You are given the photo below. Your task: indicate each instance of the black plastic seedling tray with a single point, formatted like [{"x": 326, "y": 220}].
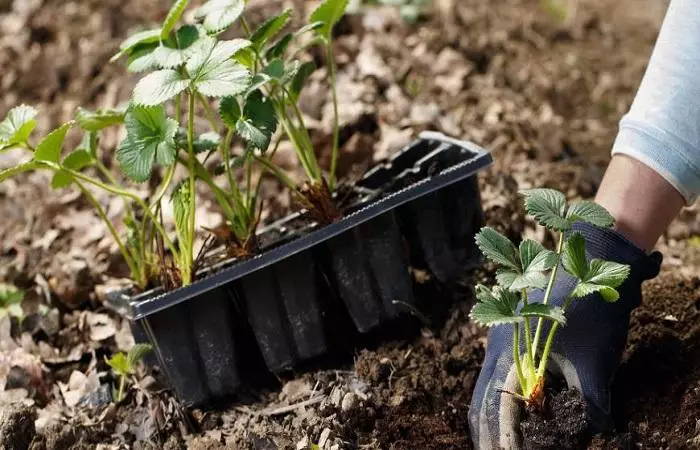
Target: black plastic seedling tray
[{"x": 421, "y": 208}]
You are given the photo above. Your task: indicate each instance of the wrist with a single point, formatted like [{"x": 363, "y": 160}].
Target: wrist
[{"x": 642, "y": 202}]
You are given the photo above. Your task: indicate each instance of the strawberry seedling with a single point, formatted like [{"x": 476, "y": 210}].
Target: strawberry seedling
[
  {"x": 532, "y": 267},
  {"x": 124, "y": 366}
]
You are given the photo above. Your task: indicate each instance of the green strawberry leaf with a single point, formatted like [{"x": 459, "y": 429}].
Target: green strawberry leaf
[
  {"x": 280, "y": 47},
  {"x": 119, "y": 364},
  {"x": 297, "y": 84},
  {"x": 536, "y": 258},
  {"x": 158, "y": 87},
  {"x": 142, "y": 59},
  {"x": 137, "y": 353},
  {"x": 498, "y": 248},
  {"x": 150, "y": 139},
  {"x": 212, "y": 70},
  {"x": 230, "y": 111},
  {"x": 17, "y": 126},
  {"x": 329, "y": 12},
  {"x": 548, "y": 207},
  {"x": 274, "y": 69},
  {"x": 258, "y": 122},
  {"x": 269, "y": 29},
  {"x": 590, "y": 212},
  {"x": 136, "y": 39},
  {"x": 607, "y": 273},
  {"x": 550, "y": 312},
  {"x": 584, "y": 289},
  {"x": 495, "y": 307},
  {"x": 217, "y": 15},
  {"x": 174, "y": 52},
  {"x": 98, "y": 120},
  {"x": 173, "y": 16},
  {"x": 49, "y": 149},
  {"x": 77, "y": 160},
  {"x": 10, "y": 295},
  {"x": 574, "y": 256}
]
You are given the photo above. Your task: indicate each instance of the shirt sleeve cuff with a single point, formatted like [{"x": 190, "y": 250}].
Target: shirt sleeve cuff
[{"x": 669, "y": 156}]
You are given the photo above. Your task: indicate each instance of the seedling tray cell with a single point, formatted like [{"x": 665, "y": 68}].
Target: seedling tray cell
[{"x": 421, "y": 207}]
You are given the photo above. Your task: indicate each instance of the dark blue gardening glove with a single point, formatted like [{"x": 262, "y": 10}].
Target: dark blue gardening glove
[{"x": 586, "y": 351}]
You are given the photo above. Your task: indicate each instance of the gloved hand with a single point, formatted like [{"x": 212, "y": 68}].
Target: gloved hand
[{"x": 586, "y": 352}]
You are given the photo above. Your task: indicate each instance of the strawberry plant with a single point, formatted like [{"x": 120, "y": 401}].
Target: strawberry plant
[
  {"x": 256, "y": 82},
  {"x": 531, "y": 266},
  {"x": 124, "y": 366}
]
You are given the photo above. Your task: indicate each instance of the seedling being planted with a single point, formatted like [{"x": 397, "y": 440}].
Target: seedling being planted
[
  {"x": 11, "y": 301},
  {"x": 124, "y": 366},
  {"x": 530, "y": 267}
]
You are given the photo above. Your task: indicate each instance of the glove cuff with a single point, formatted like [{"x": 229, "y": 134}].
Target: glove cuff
[{"x": 608, "y": 244}]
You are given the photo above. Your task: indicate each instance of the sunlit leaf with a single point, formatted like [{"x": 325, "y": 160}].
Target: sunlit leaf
[
  {"x": 497, "y": 248},
  {"x": 258, "y": 122},
  {"x": 136, "y": 39},
  {"x": 98, "y": 120},
  {"x": 269, "y": 29},
  {"x": 217, "y": 15},
  {"x": 590, "y": 212},
  {"x": 150, "y": 139},
  {"x": 17, "y": 125},
  {"x": 173, "y": 16},
  {"x": 212, "y": 70},
  {"x": 77, "y": 160},
  {"x": 550, "y": 312},
  {"x": 158, "y": 87},
  {"x": 49, "y": 149},
  {"x": 329, "y": 12},
  {"x": 574, "y": 256},
  {"x": 548, "y": 207}
]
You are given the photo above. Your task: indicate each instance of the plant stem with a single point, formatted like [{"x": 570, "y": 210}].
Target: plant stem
[
  {"x": 548, "y": 344},
  {"x": 189, "y": 250},
  {"x": 276, "y": 172},
  {"x": 304, "y": 133},
  {"x": 122, "y": 382},
  {"x": 336, "y": 126},
  {"x": 16, "y": 170},
  {"x": 516, "y": 357},
  {"x": 121, "y": 192},
  {"x": 528, "y": 338},
  {"x": 128, "y": 258},
  {"x": 211, "y": 117},
  {"x": 548, "y": 291}
]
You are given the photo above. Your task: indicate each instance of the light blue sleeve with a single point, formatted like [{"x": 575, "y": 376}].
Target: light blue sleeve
[{"x": 662, "y": 128}]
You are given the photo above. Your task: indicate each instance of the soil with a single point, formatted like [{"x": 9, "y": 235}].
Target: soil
[
  {"x": 541, "y": 90},
  {"x": 563, "y": 425}
]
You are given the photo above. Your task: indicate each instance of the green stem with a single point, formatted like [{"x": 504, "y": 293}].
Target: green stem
[
  {"x": 124, "y": 193},
  {"x": 122, "y": 382},
  {"x": 548, "y": 291},
  {"x": 336, "y": 126},
  {"x": 528, "y": 337},
  {"x": 516, "y": 358},
  {"x": 122, "y": 248},
  {"x": 276, "y": 171},
  {"x": 548, "y": 344},
  {"x": 189, "y": 247},
  {"x": 16, "y": 170},
  {"x": 211, "y": 117},
  {"x": 226, "y": 150},
  {"x": 304, "y": 134}
]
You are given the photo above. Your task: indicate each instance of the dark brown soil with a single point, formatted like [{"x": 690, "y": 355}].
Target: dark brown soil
[{"x": 562, "y": 425}]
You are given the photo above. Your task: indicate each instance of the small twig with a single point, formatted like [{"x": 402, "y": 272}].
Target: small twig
[{"x": 290, "y": 408}]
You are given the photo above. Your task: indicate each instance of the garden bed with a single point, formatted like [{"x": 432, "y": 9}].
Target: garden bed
[{"x": 544, "y": 94}]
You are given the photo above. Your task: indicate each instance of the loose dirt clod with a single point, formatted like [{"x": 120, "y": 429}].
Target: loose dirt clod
[
  {"x": 565, "y": 426},
  {"x": 16, "y": 427}
]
